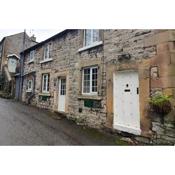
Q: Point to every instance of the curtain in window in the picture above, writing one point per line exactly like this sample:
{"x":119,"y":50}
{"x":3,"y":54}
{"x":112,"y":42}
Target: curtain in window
{"x":87,"y":37}
{"x":95,"y":35}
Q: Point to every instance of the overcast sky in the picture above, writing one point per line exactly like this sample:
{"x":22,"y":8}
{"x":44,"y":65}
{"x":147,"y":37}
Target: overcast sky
{"x":41,"y":34}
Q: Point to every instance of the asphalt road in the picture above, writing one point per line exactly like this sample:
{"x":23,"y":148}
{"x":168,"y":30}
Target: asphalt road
{"x":26,"y":125}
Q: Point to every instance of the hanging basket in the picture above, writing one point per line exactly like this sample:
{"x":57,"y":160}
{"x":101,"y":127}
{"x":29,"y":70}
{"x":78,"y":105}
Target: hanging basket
{"x":161,"y":104}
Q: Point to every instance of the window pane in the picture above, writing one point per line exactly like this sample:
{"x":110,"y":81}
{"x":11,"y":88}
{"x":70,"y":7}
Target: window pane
{"x":44,"y":85}
{"x":49,"y":50}
{"x":86,"y":83}
{"x":95,"y":35}
{"x":48,"y":82}
{"x":29,"y":84}
{"x":90,"y":80}
{"x":94,"y":79}
{"x":46,"y":52}
{"x":63,"y":87}
{"x":32,"y":54}
{"x":45,"y":80}
{"x":88,"y":37}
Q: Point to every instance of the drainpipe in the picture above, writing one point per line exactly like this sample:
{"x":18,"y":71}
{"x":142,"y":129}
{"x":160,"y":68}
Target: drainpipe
{"x":21,"y":68}
{"x":150,"y":81}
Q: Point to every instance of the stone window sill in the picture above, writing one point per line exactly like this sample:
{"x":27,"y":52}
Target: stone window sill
{"x":27,"y":73}
{"x":28,"y":90}
{"x":46,"y":60}
{"x":85,"y":97}
{"x":31,"y":61}
{"x":90,"y":46}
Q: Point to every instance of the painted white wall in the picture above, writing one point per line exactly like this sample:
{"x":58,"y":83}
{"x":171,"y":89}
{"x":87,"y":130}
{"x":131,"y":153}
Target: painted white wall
{"x":12,"y":63}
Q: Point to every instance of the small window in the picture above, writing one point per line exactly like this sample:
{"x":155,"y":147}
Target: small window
{"x":32,"y":55}
{"x":45,"y":83}
{"x":89,"y":80}
{"x":29,"y":85}
{"x":47,"y":52}
{"x":91,"y":37}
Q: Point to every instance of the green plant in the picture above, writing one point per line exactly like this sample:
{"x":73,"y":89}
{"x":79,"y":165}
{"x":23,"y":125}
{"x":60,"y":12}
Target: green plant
{"x":161,"y":104}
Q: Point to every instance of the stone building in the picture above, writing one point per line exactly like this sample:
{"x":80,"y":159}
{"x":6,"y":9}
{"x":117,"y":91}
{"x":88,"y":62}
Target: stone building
{"x":104,"y":79}
{"x":10,"y":48}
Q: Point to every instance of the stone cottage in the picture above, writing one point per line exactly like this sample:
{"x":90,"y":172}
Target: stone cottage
{"x":10,"y":48}
{"x":104,"y":79}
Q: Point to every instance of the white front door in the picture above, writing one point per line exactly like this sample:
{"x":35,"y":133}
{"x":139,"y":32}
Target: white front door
{"x":62,"y":94}
{"x":126,"y":102}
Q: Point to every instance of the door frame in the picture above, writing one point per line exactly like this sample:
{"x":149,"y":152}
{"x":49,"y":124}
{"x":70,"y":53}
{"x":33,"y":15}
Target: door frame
{"x":120,"y":127}
{"x":58,"y":94}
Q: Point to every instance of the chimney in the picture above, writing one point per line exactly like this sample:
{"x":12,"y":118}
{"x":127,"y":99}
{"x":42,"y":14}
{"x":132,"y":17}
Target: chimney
{"x":33,"y":38}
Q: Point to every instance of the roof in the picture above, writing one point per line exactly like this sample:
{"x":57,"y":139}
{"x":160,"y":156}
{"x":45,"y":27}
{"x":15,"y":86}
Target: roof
{"x":2,"y":40}
{"x":10,"y":36}
{"x":21,"y":33}
{"x":47,"y":40}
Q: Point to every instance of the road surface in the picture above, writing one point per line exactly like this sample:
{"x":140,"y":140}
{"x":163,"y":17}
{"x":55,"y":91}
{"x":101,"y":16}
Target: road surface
{"x":21,"y":124}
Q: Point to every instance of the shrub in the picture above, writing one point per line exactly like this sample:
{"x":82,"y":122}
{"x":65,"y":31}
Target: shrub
{"x":161,"y":104}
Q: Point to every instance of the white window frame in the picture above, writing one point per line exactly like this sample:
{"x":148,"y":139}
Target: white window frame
{"x":31,"y":88}
{"x":47,"y":55}
{"x":91,"y":39}
{"x":46,"y":90}
{"x":93,"y":44}
{"x":32,"y":56}
{"x":89,"y":93}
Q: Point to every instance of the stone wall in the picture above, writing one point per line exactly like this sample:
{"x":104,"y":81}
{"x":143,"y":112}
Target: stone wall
{"x":164,"y":133}
{"x":68,"y":62}
{"x":67,"y":58}
{"x":132,"y":42}
{"x":121,"y":41}
{"x":14,"y":45}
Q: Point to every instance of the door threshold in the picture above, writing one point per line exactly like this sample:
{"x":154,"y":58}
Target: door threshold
{"x":60,"y":113}
{"x":135,"y":131}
